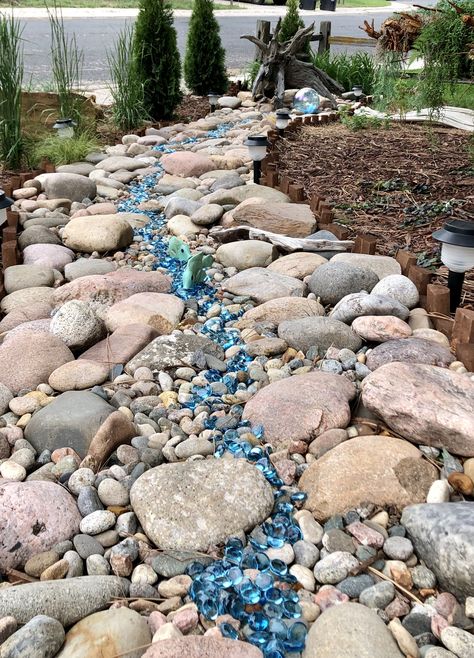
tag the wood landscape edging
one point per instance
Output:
(434, 298)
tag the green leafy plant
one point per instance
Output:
(62, 151)
(67, 61)
(387, 78)
(128, 108)
(291, 23)
(157, 56)
(250, 73)
(357, 122)
(349, 70)
(204, 63)
(11, 78)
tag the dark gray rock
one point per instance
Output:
(443, 536)
(174, 563)
(333, 281)
(71, 420)
(86, 546)
(355, 585)
(41, 637)
(324, 332)
(37, 235)
(410, 350)
(379, 595)
(88, 501)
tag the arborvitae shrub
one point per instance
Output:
(158, 61)
(291, 23)
(204, 63)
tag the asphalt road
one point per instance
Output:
(96, 35)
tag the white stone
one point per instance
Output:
(438, 492)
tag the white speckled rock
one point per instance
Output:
(398, 287)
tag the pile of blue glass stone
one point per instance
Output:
(266, 605)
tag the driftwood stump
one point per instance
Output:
(281, 69)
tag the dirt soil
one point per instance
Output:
(399, 184)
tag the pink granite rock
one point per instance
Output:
(195, 646)
(52, 255)
(185, 163)
(121, 346)
(34, 516)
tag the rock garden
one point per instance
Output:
(214, 444)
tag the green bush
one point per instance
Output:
(291, 23)
(11, 78)
(204, 63)
(60, 151)
(349, 70)
(157, 56)
(128, 108)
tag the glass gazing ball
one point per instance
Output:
(306, 100)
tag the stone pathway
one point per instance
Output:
(277, 461)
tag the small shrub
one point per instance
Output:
(356, 122)
(204, 63)
(291, 23)
(11, 78)
(62, 151)
(128, 109)
(251, 72)
(349, 70)
(157, 56)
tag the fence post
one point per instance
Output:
(325, 31)
(263, 33)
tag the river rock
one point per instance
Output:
(28, 358)
(207, 214)
(350, 630)
(97, 233)
(443, 536)
(54, 256)
(398, 287)
(197, 489)
(160, 311)
(186, 164)
(236, 195)
(34, 517)
(319, 400)
(380, 470)
(262, 285)
(76, 324)
(245, 254)
(25, 297)
(118, 162)
(278, 310)
(68, 601)
(72, 419)
(182, 225)
(358, 304)
(295, 220)
(428, 405)
(81, 168)
(78, 375)
(382, 265)
(410, 350)
(37, 235)
(25, 314)
(18, 277)
(381, 328)
(332, 282)
(196, 646)
(460, 642)
(299, 264)
(41, 637)
(69, 186)
(107, 289)
(107, 634)
(173, 351)
(121, 345)
(87, 267)
(324, 332)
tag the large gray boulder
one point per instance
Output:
(350, 630)
(333, 281)
(410, 350)
(360, 303)
(18, 277)
(263, 285)
(195, 505)
(324, 332)
(68, 186)
(443, 536)
(72, 419)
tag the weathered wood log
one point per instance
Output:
(281, 69)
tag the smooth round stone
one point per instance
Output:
(304, 576)
(24, 457)
(41, 637)
(88, 500)
(10, 470)
(194, 446)
(23, 405)
(97, 522)
(144, 574)
(78, 375)
(83, 477)
(431, 334)
(398, 287)
(438, 492)
(40, 562)
(337, 540)
(306, 553)
(174, 563)
(76, 565)
(378, 596)
(353, 586)
(285, 553)
(398, 548)
(311, 530)
(97, 565)
(176, 586)
(113, 493)
(423, 578)
(86, 546)
(335, 567)
(460, 642)
(380, 328)
(333, 281)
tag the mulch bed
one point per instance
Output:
(399, 184)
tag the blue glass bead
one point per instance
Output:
(258, 430)
(293, 534)
(209, 608)
(235, 574)
(194, 568)
(259, 638)
(273, 595)
(272, 610)
(275, 542)
(278, 628)
(219, 451)
(249, 561)
(258, 621)
(290, 595)
(255, 454)
(264, 581)
(236, 607)
(297, 632)
(229, 631)
(263, 561)
(291, 609)
(234, 554)
(278, 567)
(258, 544)
(248, 591)
(274, 649)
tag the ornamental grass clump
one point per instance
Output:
(11, 79)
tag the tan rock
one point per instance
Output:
(295, 220)
(160, 311)
(262, 285)
(380, 328)
(368, 469)
(299, 264)
(195, 646)
(97, 233)
(114, 431)
(25, 297)
(382, 265)
(120, 346)
(22, 314)
(186, 163)
(78, 375)
(244, 254)
(426, 404)
(301, 407)
(182, 225)
(279, 310)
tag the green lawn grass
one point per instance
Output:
(349, 4)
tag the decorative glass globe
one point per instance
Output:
(306, 101)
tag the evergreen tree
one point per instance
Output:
(204, 63)
(157, 55)
(291, 23)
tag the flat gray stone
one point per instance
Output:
(41, 637)
(68, 601)
(303, 333)
(196, 505)
(68, 186)
(262, 285)
(410, 350)
(333, 281)
(18, 277)
(443, 536)
(357, 304)
(382, 265)
(88, 266)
